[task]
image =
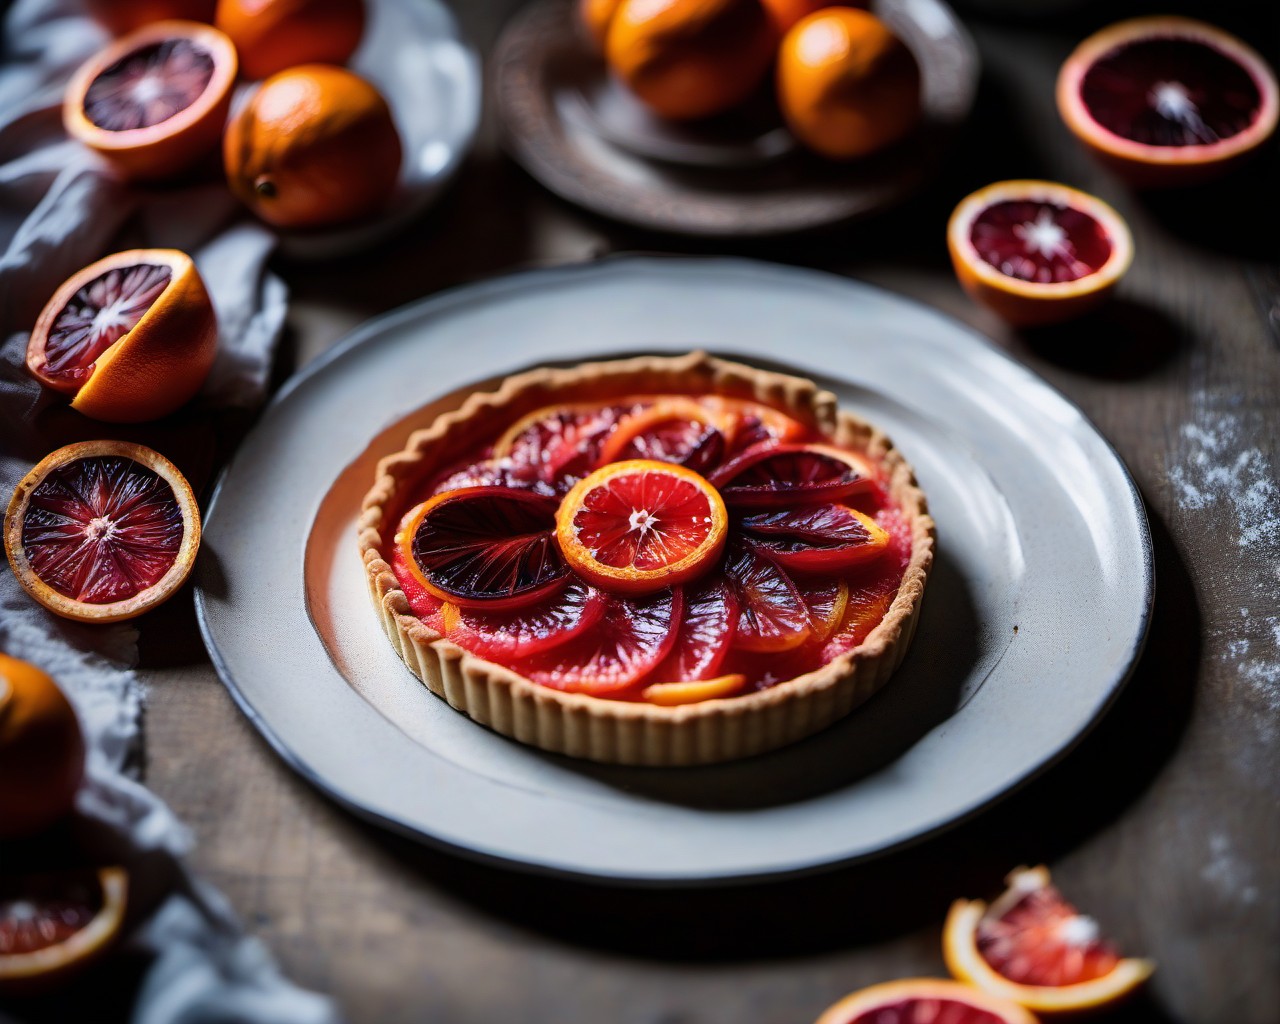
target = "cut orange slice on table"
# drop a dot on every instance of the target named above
(784, 475)
(1037, 252)
(821, 539)
(1166, 100)
(131, 337)
(52, 925)
(637, 526)
(773, 616)
(102, 530)
(676, 430)
(1035, 948)
(525, 631)
(488, 548)
(154, 103)
(694, 691)
(924, 1001)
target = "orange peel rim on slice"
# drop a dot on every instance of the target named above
(865, 1000)
(694, 691)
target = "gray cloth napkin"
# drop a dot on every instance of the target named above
(60, 209)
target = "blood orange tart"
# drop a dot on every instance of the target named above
(656, 561)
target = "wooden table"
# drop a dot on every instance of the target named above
(1163, 822)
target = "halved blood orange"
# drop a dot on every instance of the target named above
(711, 612)
(770, 475)
(132, 336)
(561, 442)
(1037, 252)
(773, 616)
(924, 1001)
(638, 526)
(1035, 948)
(669, 695)
(633, 637)
(490, 548)
(102, 530)
(1167, 100)
(51, 925)
(525, 631)
(154, 102)
(821, 539)
(676, 430)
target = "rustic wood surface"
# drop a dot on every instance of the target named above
(1163, 822)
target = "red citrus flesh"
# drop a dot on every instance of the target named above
(679, 432)
(149, 85)
(822, 539)
(561, 444)
(1040, 241)
(772, 475)
(773, 614)
(97, 316)
(494, 473)
(927, 1010)
(101, 530)
(827, 601)
(46, 913)
(632, 637)
(711, 612)
(487, 547)
(526, 631)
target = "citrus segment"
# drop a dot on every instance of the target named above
(1035, 948)
(748, 423)
(706, 632)
(271, 35)
(632, 637)
(525, 631)
(827, 601)
(154, 102)
(783, 475)
(671, 430)
(671, 695)
(493, 473)
(491, 548)
(820, 539)
(53, 924)
(132, 336)
(639, 525)
(773, 616)
(924, 1001)
(102, 530)
(562, 443)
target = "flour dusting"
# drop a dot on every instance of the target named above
(1227, 873)
(1216, 471)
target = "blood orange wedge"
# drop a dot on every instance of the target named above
(561, 442)
(669, 695)
(1037, 252)
(132, 336)
(490, 548)
(631, 638)
(711, 612)
(1035, 948)
(924, 1001)
(820, 539)
(671, 430)
(50, 925)
(525, 631)
(770, 475)
(1166, 100)
(102, 530)
(638, 526)
(773, 616)
(154, 102)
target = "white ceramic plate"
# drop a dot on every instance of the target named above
(1034, 615)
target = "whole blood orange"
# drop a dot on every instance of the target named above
(315, 145)
(102, 530)
(689, 59)
(1035, 948)
(1167, 100)
(52, 925)
(847, 85)
(121, 16)
(41, 750)
(1037, 252)
(131, 337)
(786, 13)
(920, 1000)
(154, 103)
(271, 35)
(595, 17)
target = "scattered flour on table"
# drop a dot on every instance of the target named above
(1230, 876)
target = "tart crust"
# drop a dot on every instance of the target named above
(621, 732)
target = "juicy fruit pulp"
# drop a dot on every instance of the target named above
(1040, 241)
(927, 1010)
(924, 1001)
(149, 85)
(31, 921)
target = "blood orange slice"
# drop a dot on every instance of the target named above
(526, 631)
(132, 336)
(669, 695)
(102, 530)
(1167, 100)
(632, 637)
(493, 473)
(1037, 252)
(770, 475)
(827, 601)
(750, 423)
(773, 616)
(51, 925)
(924, 1001)
(821, 539)
(711, 612)
(1035, 948)
(561, 442)
(671, 430)
(154, 102)
(638, 526)
(491, 548)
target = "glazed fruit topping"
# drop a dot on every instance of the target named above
(824, 539)
(827, 601)
(675, 430)
(782, 475)
(560, 444)
(1038, 241)
(773, 616)
(711, 610)
(525, 631)
(149, 85)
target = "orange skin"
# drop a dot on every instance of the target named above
(272, 35)
(41, 750)
(689, 59)
(122, 16)
(785, 13)
(175, 145)
(595, 16)
(316, 145)
(848, 87)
